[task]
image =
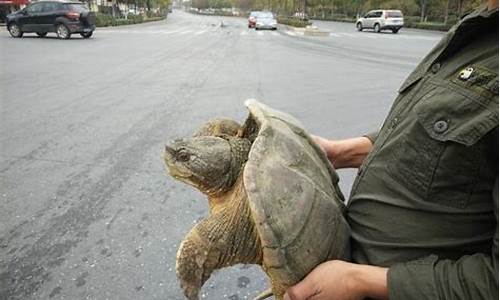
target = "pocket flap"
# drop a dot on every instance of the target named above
(449, 113)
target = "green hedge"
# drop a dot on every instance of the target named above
(295, 22)
(432, 26)
(215, 12)
(410, 22)
(103, 20)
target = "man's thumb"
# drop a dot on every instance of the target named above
(301, 291)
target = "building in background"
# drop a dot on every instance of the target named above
(8, 6)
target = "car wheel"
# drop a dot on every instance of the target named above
(395, 30)
(41, 34)
(62, 32)
(376, 27)
(15, 30)
(359, 26)
(86, 35)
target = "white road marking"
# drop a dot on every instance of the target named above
(172, 31)
(244, 32)
(349, 35)
(260, 33)
(201, 32)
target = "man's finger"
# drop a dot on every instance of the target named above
(301, 291)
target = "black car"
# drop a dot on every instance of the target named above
(61, 17)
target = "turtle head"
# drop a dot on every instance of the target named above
(209, 163)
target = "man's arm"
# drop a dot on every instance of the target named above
(470, 277)
(348, 153)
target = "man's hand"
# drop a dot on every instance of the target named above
(340, 280)
(348, 153)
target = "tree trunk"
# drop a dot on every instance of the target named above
(423, 4)
(446, 11)
(460, 7)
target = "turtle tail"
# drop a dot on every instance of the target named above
(226, 237)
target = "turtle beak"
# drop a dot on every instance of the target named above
(169, 151)
(169, 156)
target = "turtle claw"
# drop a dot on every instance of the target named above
(264, 295)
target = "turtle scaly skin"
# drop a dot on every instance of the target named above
(225, 238)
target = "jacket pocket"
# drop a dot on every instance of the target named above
(455, 119)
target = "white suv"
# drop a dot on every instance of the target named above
(380, 20)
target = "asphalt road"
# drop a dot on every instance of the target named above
(87, 210)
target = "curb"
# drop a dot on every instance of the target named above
(305, 31)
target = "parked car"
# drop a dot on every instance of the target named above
(266, 20)
(252, 18)
(62, 17)
(381, 20)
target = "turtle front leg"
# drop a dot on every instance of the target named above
(226, 237)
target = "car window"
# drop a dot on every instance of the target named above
(77, 7)
(50, 7)
(266, 15)
(377, 14)
(35, 8)
(394, 14)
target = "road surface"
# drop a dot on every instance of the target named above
(87, 210)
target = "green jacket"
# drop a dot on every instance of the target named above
(425, 201)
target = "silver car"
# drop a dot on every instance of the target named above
(266, 20)
(380, 20)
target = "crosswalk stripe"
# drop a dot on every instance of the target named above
(172, 31)
(334, 34)
(201, 32)
(274, 33)
(260, 33)
(244, 33)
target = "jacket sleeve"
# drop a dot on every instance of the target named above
(470, 277)
(372, 136)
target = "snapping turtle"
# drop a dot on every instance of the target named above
(273, 197)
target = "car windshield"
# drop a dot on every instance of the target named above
(254, 14)
(78, 7)
(265, 16)
(394, 14)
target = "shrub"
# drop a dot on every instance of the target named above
(103, 20)
(295, 22)
(433, 26)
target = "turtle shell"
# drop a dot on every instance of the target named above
(294, 196)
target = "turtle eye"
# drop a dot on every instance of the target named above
(183, 156)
